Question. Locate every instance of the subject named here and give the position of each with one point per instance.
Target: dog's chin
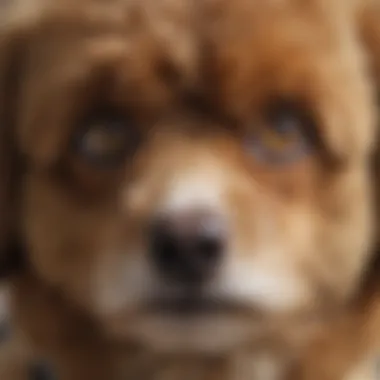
(198, 334)
(164, 333)
(201, 325)
(185, 325)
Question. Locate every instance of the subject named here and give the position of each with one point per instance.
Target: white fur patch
(198, 188)
(267, 282)
(260, 365)
(369, 369)
(120, 282)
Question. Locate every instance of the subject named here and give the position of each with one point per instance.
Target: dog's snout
(187, 247)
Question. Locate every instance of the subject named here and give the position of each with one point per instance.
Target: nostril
(163, 244)
(187, 246)
(209, 248)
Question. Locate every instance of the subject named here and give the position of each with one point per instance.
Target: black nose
(187, 247)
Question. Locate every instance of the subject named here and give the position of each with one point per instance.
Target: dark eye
(105, 139)
(282, 137)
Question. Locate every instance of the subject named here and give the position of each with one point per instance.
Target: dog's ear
(353, 339)
(368, 20)
(11, 48)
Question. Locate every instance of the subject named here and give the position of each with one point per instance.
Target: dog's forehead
(306, 50)
(164, 22)
(236, 50)
(182, 28)
(173, 20)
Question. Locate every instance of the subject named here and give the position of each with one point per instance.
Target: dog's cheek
(319, 247)
(120, 282)
(84, 249)
(263, 264)
(343, 235)
(59, 239)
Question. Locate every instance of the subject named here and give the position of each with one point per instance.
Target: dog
(185, 186)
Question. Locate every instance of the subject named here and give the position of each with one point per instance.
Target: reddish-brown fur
(350, 347)
(193, 77)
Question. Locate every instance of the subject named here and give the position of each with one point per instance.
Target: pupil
(284, 124)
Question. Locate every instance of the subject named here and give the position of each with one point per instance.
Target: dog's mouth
(193, 322)
(194, 305)
(186, 306)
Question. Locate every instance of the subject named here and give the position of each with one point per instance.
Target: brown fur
(349, 348)
(193, 78)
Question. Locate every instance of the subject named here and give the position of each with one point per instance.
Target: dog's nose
(187, 247)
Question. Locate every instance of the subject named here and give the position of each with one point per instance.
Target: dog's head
(176, 169)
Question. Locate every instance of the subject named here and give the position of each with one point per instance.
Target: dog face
(186, 169)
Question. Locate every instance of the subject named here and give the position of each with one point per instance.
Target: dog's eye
(106, 140)
(282, 136)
